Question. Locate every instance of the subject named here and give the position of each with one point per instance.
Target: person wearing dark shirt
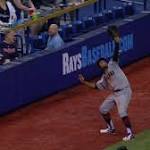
(4, 13)
(7, 12)
(8, 47)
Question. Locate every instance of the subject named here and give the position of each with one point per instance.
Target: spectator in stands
(7, 12)
(25, 5)
(28, 7)
(8, 47)
(47, 4)
(54, 40)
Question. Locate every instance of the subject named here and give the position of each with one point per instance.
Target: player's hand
(81, 78)
(113, 32)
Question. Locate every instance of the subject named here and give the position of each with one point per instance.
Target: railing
(56, 13)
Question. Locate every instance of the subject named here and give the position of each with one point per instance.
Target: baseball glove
(113, 31)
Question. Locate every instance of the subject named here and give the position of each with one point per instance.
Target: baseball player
(114, 79)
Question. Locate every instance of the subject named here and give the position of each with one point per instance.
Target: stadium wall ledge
(43, 73)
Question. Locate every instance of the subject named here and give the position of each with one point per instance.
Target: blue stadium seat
(66, 32)
(108, 15)
(118, 12)
(60, 32)
(129, 9)
(35, 44)
(88, 24)
(44, 36)
(99, 19)
(77, 28)
(19, 43)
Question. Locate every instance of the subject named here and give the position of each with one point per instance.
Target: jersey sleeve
(101, 84)
(113, 63)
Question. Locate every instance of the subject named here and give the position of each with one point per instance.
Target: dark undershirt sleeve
(116, 52)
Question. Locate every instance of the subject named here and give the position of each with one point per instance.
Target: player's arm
(117, 48)
(113, 32)
(87, 83)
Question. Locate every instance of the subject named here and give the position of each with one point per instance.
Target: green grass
(141, 142)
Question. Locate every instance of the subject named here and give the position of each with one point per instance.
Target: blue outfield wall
(42, 73)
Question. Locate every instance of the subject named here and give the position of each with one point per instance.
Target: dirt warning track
(70, 120)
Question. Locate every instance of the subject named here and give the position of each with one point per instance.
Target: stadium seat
(118, 12)
(129, 9)
(108, 15)
(60, 32)
(44, 36)
(77, 28)
(35, 44)
(99, 19)
(19, 43)
(88, 24)
(66, 32)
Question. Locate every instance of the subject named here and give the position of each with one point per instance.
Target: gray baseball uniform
(114, 79)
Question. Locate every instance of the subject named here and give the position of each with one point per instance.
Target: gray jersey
(114, 78)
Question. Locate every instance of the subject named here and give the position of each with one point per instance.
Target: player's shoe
(128, 137)
(107, 131)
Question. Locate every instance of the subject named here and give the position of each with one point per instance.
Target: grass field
(141, 142)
